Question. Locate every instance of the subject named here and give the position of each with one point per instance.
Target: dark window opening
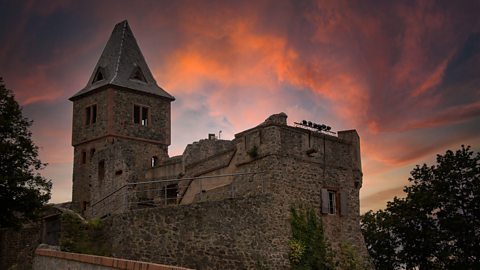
(140, 115)
(84, 206)
(88, 115)
(84, 157)
(101, 170)
(99, 75)
(144, 116)
(94, 114)
(332, 204)
(92, 152)
(154, 161)
(136, 114)
(170, 193)
(91, 115)
(138, 75)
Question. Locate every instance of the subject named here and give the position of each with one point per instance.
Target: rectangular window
(94, 114)
(136, 114)
(88, 115)
(332, 203)
(144, 116)
(101, 170)
(91, 115)
(140, 115)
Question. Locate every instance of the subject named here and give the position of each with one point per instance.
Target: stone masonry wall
(242, 233)
(125, 162)
(17, 246)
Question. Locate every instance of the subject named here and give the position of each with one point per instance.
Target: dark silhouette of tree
(23, 191)
(437, 224)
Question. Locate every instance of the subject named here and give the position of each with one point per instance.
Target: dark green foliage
(82, 236)
(437, 225)
(380, 242)
(308, 248)
(348, 258)
(23, 191)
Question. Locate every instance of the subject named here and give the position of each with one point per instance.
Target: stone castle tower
(121, 121)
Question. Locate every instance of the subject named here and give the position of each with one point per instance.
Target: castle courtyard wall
(242, 233)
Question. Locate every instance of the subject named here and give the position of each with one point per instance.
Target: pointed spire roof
(122, 64)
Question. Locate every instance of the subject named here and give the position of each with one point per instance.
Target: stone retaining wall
(241, 233)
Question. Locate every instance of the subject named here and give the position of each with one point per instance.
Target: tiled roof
(122, 64)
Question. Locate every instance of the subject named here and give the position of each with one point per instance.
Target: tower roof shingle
(122, 64)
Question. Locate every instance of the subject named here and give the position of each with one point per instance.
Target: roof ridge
(120, 51)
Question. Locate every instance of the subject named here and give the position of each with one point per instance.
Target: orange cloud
(452, 115)
(433, 80)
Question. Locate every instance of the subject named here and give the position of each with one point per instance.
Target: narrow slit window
(94, 114)
(154, 161)
(144, 116)
(101, 170)
(332, 205)
(88, 115)
(136, 114)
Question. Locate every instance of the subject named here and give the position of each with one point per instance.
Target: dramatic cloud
(405, 75)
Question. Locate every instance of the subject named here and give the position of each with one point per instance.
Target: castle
(222, 203)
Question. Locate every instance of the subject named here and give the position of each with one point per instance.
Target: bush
(81, 236)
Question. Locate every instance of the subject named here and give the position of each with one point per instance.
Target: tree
(23, 191)
(437, 224)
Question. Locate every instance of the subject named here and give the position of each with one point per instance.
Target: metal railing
(167, 192)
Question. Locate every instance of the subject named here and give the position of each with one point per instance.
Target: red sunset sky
(404, 74)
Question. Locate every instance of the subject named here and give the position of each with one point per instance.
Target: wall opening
(101, 170)
(88, 115)
(99, 76)
(91, 114)
(137, 74)
(332, 202)
(171, 192)
(140, 115)
(144, 116)
(154, 161)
